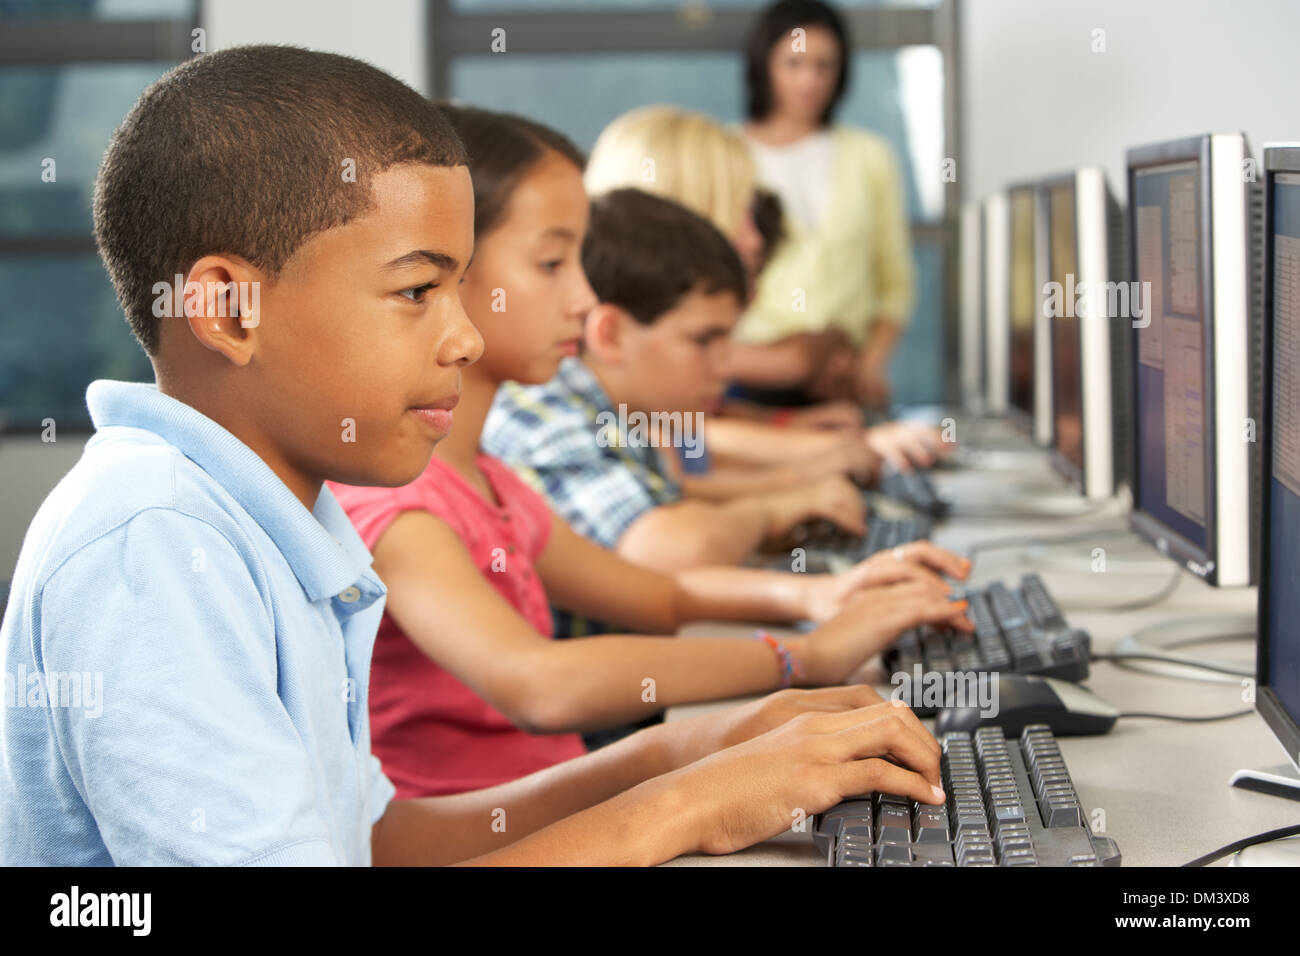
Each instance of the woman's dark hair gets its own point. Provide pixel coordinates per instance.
(502, 148)
(769, 217)
(775, 23)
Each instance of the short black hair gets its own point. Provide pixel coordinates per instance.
(644, 254)
(245, 152)
(502, 147)
(775, 23)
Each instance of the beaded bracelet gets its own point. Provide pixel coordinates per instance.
(790, 668)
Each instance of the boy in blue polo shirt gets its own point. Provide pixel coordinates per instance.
(194, 572)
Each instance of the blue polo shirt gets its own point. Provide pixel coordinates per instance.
(187, 654)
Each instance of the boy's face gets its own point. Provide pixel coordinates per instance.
(526, 291)
(362, 338)
(677, 363)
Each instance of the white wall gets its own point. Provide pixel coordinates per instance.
(387, 33)
(1039, 101)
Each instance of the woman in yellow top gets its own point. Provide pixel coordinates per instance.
(833, 300)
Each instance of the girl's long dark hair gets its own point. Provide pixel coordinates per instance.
(502, 148)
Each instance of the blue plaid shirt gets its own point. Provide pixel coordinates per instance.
(550, 435)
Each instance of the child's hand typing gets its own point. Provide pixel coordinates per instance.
(755, 790)
(825, 594)
(871, 619)
(905, 445)
(697, 737)
(833, 498)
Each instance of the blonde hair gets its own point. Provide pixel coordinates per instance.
(684, 156)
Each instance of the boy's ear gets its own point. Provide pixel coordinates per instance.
(603, 333)
(221, 302)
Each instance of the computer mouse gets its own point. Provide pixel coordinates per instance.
(1069, 709)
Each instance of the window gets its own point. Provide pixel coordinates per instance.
(579, 67)
(72, 68)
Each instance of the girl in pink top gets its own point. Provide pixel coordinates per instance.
(433, 734)
(470, 556)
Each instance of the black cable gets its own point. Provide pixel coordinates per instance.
(1203, 665)
(1193, 719)
(1268, 836)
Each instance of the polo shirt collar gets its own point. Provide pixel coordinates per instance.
(321, 546)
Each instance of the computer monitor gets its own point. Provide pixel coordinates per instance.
(1277, 692)
(1028, 372)
(971, 306)
(1087, 306)
(997, 287)
(1189, 209)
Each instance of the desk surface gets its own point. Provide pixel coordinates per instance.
(1163, 786)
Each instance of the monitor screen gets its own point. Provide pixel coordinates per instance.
(1171, 401)
(1024, 296)
(1067, 385)
(1282, 562)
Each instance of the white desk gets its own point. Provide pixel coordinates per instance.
(1163, 785)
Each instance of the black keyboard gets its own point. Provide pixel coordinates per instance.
(914, 490)
(882, 534)
(1010, 803)
(1016, 629)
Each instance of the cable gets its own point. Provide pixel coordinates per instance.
(1011, 541)
(1268, 836)
(1203, 665)
(1192, 718)
(1138, 604)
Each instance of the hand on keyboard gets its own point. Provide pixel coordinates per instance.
(694, 738)
(825, 594)
(756, 790)
(907, 445)
(834, 499)
(871, 620)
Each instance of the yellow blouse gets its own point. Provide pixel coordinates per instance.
(855, 267)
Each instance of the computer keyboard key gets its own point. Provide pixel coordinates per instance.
(931, 826)
(893, 854)
(856, 832)
(893, 825)
(853, 856)
(933, 854)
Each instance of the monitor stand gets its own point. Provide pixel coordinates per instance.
(1280, 781)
